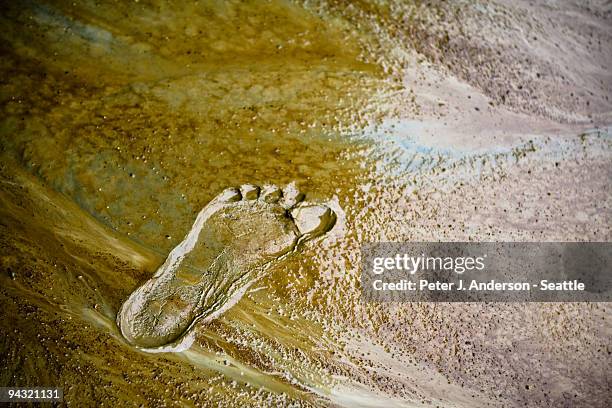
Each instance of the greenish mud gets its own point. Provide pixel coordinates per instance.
(121, 121)
(131, 119)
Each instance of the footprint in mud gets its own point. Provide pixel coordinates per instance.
(234, 239)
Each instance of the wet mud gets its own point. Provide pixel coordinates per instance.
(473, 121)
(234, 240)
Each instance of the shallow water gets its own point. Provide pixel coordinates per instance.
(120, 122)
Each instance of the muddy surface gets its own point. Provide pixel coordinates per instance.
(473, 121)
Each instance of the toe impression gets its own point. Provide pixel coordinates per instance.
(249, 191)
(271, 194)
(313, 220)
(291, 196)
(229, 195)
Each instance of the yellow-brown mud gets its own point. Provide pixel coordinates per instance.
(120, 121)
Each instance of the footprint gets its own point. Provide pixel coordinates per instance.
(234, 239)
